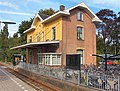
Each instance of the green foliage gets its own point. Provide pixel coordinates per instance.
(49, 11)
(4, 32)
(24, 25)
(4, 42)
(99, 44)
(108, 32)
(12, 42)
(15, 35)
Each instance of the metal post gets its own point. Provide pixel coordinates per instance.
(87, 78)
(28, 67)
(79, 77)
(79, 70)
(51, 59)
(65, 73)
(105, 61)
(118, 83)
(61, 72)
(105, 49)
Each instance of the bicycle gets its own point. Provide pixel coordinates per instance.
(70, 75)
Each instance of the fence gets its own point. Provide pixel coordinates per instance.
(101, 82)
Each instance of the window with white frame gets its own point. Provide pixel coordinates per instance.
(81, 52)
(53, 33)
(79, 16)
(56, 59)
(37, 38)
(49, 59)
(80, 33)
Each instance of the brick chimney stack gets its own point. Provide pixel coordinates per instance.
(62, 7)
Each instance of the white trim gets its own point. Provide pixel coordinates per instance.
(96, 20)
(72, 53)
(56, 14)
(84, 6)
(35, 43)
(36, 16)
(30, 29)
(83, 57)
(67, 12)
(50, 17)
(32, 25)
(51, 56)
(78, 5)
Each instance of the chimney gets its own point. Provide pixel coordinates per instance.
(62, 7)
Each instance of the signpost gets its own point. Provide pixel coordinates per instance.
(7, 22)
(106, 57)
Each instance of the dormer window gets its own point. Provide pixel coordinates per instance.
(79, 16)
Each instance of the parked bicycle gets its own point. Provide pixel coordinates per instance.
(70, 75)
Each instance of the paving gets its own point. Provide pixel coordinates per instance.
(9, 82)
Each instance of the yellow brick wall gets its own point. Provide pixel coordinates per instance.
(47, 29)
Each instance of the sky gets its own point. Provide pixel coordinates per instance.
(19, 10)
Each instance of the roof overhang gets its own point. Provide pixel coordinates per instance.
(30, 29)
(96, 20)
(66, 12)
(54, 16)
(35, 44)
(87, 9)
(36, 16)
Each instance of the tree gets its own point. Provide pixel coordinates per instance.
(13, 41)
(4, 42)
(15, 35)
(108, 31)
(24, 25)
(49, 11)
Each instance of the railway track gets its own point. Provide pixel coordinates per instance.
(39, 86)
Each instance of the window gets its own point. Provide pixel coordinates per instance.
(30, 55)
(56, 59)
(37, 38)
(80, 16)
(30, 40)
(49, 59)
(80, 33)
(81, 52)
(42, 36)
(41, 59)
(53, 33)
